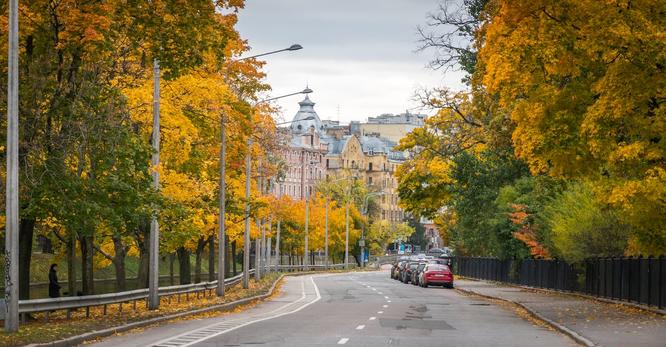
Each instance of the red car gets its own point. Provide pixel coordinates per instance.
(436, 275)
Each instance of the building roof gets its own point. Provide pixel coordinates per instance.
(336, 146)
(300, 125)
(376, 145)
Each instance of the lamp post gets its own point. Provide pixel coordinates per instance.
(326, 227)
(153, 273)
(248, 172)
(12, 197)
(365, 212)
(221, 262)
(347, 225)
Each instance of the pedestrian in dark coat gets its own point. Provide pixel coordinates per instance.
(54, 287)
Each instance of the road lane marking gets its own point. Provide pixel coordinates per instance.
(360, 327)
(343, 341)
(384, 306)
(187, 339)
(386, 297)
(380, 293)
(373, 289)
(372, 318)
(380, 312)
(388, 300)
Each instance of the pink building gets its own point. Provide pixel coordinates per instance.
(303, 154)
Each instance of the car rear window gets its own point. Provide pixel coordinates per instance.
(437, 267)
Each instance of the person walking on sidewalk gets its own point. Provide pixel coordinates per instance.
(54, 287)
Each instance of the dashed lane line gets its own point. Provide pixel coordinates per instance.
(342, 341)
(360, 327)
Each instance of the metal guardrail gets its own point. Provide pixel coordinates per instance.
(77, 302)
(74, 302)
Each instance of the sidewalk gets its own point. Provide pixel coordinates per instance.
(601, 323)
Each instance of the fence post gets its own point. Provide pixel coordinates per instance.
(662, 281)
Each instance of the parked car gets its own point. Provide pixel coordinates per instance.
(395, 269)
(407, 272)
(436, 275)
(400, 269)
(417, 272)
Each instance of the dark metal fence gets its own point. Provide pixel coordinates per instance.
(639, 280)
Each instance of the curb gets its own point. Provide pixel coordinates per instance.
(580, 295)
(557, 326)
(79, 339)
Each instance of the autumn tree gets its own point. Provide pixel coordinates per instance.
(584, 84)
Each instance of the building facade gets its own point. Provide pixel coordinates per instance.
(316, 150)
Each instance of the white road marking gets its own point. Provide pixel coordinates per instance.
(372, 318)
(386, 297)
(360, 327)
(380, 312)
(245, 322)
(380, 293)
(384, 306)
(388, 300)
(373, 289)
(343, 341)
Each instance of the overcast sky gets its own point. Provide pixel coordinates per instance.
(359, 55)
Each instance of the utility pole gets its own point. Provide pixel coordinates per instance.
(347, 236)
(153, 272)
(260, 224)
(306, 258)
(257, 258)
(257, 252)
(268, 255)
(326, 240)
(12, 198)
(277, 248)
(246, 235)
(221, 257)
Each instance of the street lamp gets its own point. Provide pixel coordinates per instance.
(12, 197)
(223, 186)
(365, 212)
(294, 47)
(248, 172)
(326, 227)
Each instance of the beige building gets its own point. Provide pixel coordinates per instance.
(389, 126)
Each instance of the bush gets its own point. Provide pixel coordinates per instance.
(582, 226)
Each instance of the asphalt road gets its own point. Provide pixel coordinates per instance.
(358, 309)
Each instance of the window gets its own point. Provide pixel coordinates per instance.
(369, 180)
(327, 163)
(370, 167)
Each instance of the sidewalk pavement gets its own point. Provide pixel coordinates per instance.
(602, 324)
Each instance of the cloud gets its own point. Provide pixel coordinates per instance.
(358, 55)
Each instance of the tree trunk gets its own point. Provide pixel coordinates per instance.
(144, 257)
(211, 259)
(26, 233)
(197, 263)
(87, 282)
(233, 255)
(71, 270)
(184, 262)
(172, 258)
(119, 264)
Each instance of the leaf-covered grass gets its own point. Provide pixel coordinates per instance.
(59, 327)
